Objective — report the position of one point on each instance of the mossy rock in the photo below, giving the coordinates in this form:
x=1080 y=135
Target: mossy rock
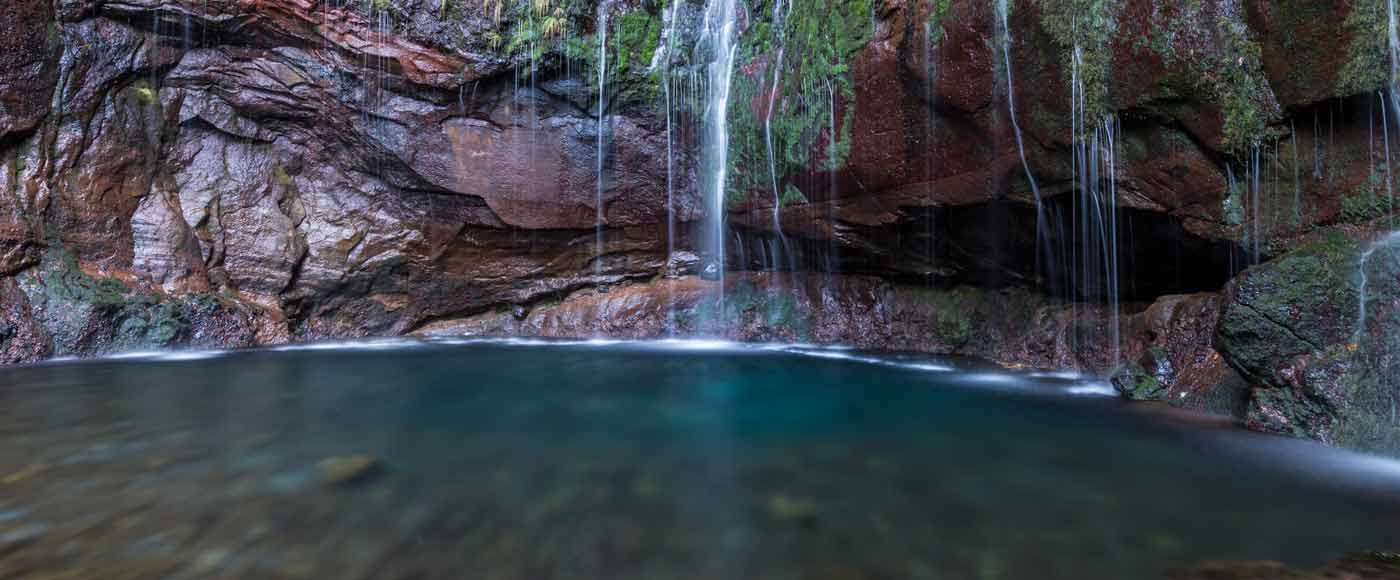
x=1146 y=378
x=1295 y=327
x=87 y=315
x=1290 y=306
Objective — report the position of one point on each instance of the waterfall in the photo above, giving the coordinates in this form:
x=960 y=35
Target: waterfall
x=1388 y=240
x=1094 y=179
x=1005 y=37
x=718 y=36
x=774 y=91
x=1254 y=202
x=930 y=99
x=1385 y=134
x=670 y=138
x=1297 y=186
x=602 y=134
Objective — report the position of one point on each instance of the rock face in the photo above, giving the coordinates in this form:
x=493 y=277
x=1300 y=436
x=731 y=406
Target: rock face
x=1324 y=364
x=245 y=172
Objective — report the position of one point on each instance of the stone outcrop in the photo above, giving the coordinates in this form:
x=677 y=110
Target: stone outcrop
x=1323 y=364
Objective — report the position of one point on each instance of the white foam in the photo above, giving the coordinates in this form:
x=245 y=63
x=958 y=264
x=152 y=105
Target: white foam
x=369 y=344
x=135 y=354
x=187 y=355
x=1093 y=388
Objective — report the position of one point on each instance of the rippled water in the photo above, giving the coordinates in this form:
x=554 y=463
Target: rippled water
x=687 y=460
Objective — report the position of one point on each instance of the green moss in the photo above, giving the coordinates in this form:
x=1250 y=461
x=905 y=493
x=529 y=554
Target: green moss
x=1367 y=201
x=1137 y=381
x=1232 y=209
x=953 y=312
x=818 y=40
x=1087 y=25
x=143 y=93
x=937 y=10
x=71 y=298
x=280 y=174
x=792 y=195
x=1292 y=305
x=633 y=38
x=746 y=303
x=1368 y=59
x=1231 y=76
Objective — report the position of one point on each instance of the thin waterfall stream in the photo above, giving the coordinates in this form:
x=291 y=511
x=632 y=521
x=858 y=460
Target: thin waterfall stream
x=718 y=37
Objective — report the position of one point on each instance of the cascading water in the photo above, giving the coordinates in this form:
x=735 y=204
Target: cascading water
x=1384 y=242
x=672 y=20
x=717 y=38
x=602 y=137
x=1004 y=35
x=780 y=247
x=1297 y=184
x=1094 y=258
x=931 y=44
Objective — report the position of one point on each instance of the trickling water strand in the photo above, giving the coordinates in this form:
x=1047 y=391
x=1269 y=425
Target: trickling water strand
x=1254 y=201
x=930 y=97
x=1385 y=134
x=1317 y=146
x=773 y=93
x=1392 y=238
x=666 y=83
x=1005 y=36
x=1297 y=186
x=602 y=129
x=670 y=139
x=834 y=193
x=1394 y=37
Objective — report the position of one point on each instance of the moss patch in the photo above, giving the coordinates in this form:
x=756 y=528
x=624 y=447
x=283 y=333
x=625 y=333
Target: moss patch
x=796 y=103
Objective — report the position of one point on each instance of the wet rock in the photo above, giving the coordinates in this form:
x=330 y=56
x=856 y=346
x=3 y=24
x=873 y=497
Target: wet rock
x=349 y=470
x=22 y=340
x=1169 y=355
x=1012 y=326
x=28 y=71
x=1322 y=365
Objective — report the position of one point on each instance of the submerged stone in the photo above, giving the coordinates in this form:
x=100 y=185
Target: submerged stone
x=349 y=470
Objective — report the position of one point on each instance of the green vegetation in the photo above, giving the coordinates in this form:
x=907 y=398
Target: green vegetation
x=1088 y=25
x=818 y=39
x=143 y=93
x=1368 y=58
x=84 y=308
x=792 y=195
x=527 y=29
x=1367 y=201
x=633 y=38
x=1240 y=86
x=1232 y=76
x=937 y=10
